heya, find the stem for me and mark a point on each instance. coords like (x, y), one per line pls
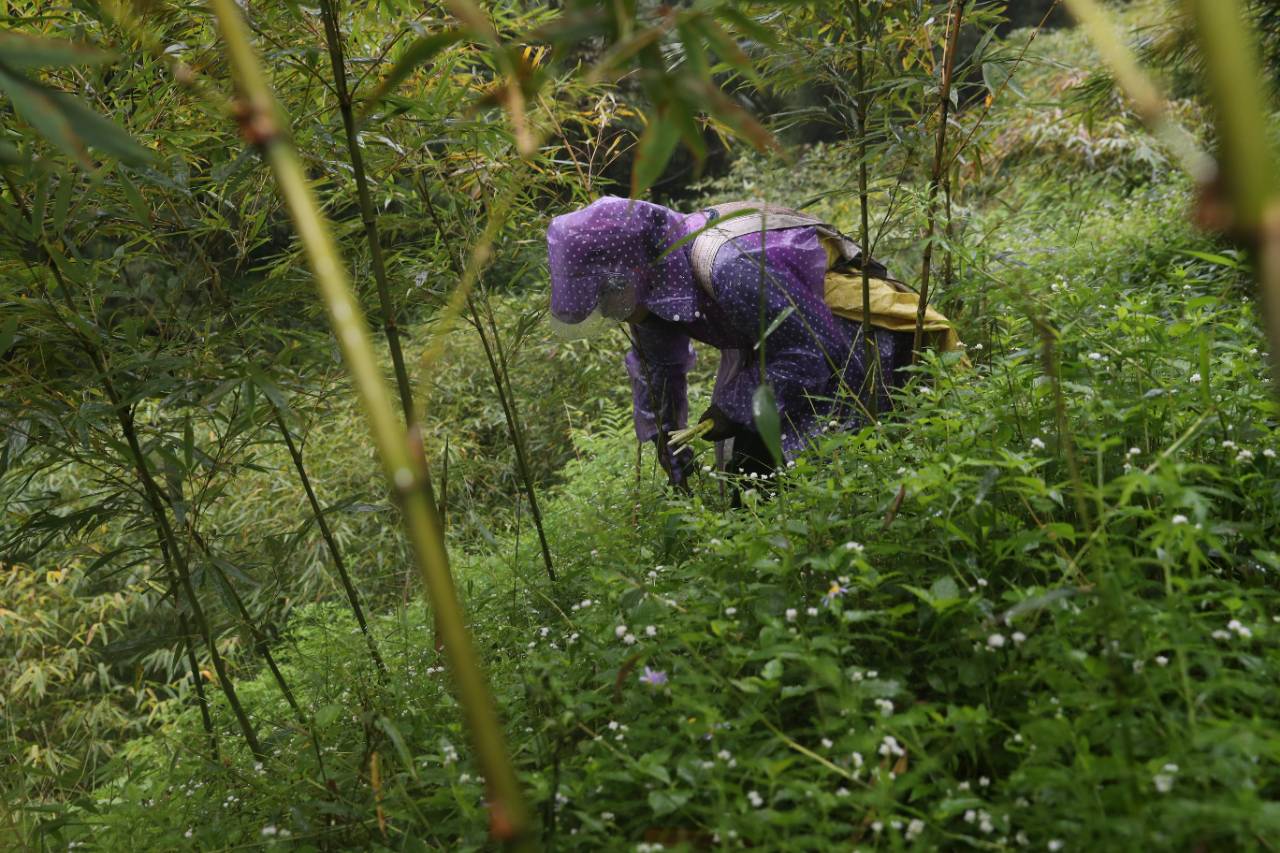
(367, 214)
(197, 681)
(175, 564)
(1049, 364)
(506, 397)
(1244, 156)
(870, 352)
(502, 383)
(407, 474)
(939, 152)
(334, 551)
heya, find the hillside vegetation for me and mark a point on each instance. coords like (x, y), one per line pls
(1033, 607)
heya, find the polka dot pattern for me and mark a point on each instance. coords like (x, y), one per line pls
(813, 359)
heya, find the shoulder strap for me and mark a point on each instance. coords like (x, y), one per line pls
(762, 217)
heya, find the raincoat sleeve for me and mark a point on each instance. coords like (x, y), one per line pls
(791, 268)
(660, 357)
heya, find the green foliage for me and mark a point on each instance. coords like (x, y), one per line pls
(921, 641)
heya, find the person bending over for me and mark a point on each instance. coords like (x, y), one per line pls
(744, 277)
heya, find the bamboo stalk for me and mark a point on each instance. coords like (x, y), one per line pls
(353, 597)
(506, 398)
(935, 179)
(502, 384)
(870, 352)
(262, 121)
(1143, 94)
(206, 719)
(368, 216)
(1245, 156)
(175, 563)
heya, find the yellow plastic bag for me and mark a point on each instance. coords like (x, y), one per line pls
(891, 308)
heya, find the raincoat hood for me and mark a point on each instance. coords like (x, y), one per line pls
(604, 259)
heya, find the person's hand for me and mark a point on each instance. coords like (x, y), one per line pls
(722, 428)
(679, 465)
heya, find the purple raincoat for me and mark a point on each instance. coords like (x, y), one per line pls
(813, 359)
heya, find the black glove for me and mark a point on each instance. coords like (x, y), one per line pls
(723, 427)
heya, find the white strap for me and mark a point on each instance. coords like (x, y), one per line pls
(763, 217)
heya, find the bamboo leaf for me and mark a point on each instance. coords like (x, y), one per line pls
(9, 155)
(777, 321)
(397, 740)
(100, 132)
(653, 152)
(67, 123)
(35, 105)
(419, 53)
(20, 52)
(273, 392)
(764, 411)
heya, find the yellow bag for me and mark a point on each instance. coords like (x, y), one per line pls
(893, 305)
(891, 308)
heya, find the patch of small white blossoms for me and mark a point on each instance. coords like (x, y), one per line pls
(1163, 781)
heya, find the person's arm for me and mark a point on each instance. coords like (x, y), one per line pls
(658, 362)
(798, 348)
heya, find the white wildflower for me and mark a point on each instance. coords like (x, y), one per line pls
(1037, 443)
(995, 641)
(1179, 519)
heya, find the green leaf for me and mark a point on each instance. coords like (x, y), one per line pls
(8, 333)
(102, 133)
(9, 155)
(22, 51)
(665, 802)
(653, 152)
(67, 123)
(777, 321)
(328, 715)
(1212, 257)
(35, 105)
(418, 53)
(944, 589)
(62, 202)
(764, 411)
(402, 749)
(999, 74)
(273, 392)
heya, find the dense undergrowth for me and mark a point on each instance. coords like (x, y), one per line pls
(1034, 607)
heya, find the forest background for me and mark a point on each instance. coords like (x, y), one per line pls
(1034, 606)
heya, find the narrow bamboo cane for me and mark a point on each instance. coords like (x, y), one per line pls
(506, 398)
(263, 124)
(870, 352)
(369, 218)
(197, 681)
(353, 597)
(175, 564)
(1245, 155)
(502, 383)
(935, 179)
